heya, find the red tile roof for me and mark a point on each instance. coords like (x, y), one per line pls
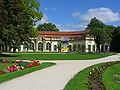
(59, 34)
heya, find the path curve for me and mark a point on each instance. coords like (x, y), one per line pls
(53, 78)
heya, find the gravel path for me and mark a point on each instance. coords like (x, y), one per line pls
(53, 78)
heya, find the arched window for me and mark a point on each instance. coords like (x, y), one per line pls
(48, 46)
(89, 48)
(55, 47)
(1, 47)
(70, 48)
(74, 47)
(40, 46)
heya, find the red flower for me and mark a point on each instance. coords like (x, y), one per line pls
(29, 65)
(5, 61)
(35, 63)
(1, 72)
(12, 68)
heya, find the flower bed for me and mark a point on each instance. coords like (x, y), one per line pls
(18, 65)
(1, 72)
(95, 78)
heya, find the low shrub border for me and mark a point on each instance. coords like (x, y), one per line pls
(80, 80)
(95, 78)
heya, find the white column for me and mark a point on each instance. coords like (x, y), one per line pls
(44, 46)
(91, 48)
(104, 48)
(21, 48)
(36, 45)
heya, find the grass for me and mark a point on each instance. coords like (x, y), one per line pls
(109, 79)
(51, 56)
(12, 75)
(4, 65)
(80, 80)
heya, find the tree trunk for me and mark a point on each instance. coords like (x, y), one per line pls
(98, 48)
(14, 49)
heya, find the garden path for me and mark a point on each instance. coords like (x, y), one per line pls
(55, 77)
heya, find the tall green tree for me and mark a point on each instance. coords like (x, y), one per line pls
(99, 31)
(115, 43)
(47, 27)
(17, 18)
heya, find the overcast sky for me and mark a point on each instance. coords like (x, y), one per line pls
(74, 15)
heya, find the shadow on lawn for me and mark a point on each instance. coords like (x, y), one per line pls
(8, 55)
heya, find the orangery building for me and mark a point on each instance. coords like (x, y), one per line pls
(51, 41)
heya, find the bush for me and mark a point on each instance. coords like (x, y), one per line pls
(12, 61)
(35, 63)
(1, 60)
(0, 51)
(24, 64)
(29, 65)
(1, 72)
(5, 61)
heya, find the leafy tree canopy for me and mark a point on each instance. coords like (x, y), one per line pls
(99, 30)
(47, 27)
(17, 19)
(95, 24)
(115, 43)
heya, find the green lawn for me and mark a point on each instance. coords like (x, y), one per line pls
(51, 56)
(12, 75)
(80, 80)
(4, 65)
(110, 80)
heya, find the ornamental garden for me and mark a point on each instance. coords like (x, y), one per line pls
(10, 69)
(17, 65)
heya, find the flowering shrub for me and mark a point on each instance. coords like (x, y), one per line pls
(19, 65)
(12, 61)
(18, 61)
(36, 63)
(1, 60)
(5, 61)
(12, 68)
(1, 72)
(29, 65)
(33, 63)
(24, 64)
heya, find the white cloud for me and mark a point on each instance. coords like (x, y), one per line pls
(80, 26)
(104, 14)
(46, 9)
(59, 25)
(66, 30)
(50, 9)
(72, 27)
(76, 14)
(43, 20)
(76, 25)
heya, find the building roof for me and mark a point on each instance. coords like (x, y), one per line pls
(60, 34)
